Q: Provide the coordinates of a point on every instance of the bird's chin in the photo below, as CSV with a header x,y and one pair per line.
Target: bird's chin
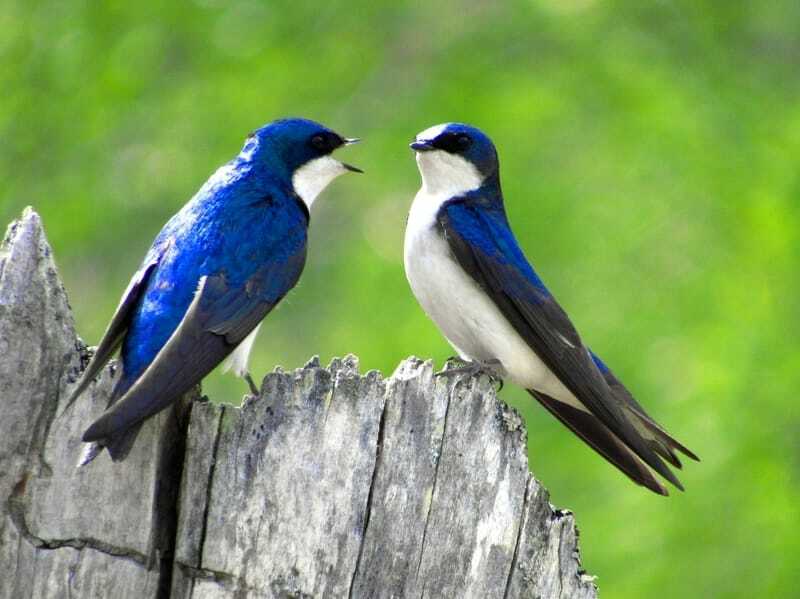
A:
x,y
423,164
428,161
447,173
314,176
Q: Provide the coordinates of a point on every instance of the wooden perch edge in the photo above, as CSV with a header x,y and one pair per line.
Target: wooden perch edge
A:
x,y
330,483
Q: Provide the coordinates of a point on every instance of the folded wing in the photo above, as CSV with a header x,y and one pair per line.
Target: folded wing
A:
x,y
117,328
218,319
482,243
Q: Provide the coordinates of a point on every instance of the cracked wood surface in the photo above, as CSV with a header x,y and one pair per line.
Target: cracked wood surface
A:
x,y
66,530
329,484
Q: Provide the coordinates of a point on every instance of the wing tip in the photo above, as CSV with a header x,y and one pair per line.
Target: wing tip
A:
x,y
666,439
657,488
83,384
664,471
688,453
589,428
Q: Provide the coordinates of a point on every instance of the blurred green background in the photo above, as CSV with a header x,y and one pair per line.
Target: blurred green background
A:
x,y
650,167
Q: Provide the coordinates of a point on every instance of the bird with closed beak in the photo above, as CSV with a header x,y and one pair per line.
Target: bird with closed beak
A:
x,y
468,272
215,270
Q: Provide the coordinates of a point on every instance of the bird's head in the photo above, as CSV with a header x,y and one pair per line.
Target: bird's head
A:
x,y
454,158
301,150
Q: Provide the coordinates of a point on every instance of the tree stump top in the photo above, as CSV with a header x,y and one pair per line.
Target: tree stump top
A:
x,y
330,483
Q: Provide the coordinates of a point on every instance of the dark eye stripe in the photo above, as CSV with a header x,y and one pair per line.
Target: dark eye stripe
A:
x,y
452,142
319,142
325,142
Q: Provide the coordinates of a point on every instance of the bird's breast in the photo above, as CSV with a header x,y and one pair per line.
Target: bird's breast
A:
x,y
465,314
447,294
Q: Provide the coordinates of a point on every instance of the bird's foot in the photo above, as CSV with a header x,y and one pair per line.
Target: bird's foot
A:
x,y
253,389
475,368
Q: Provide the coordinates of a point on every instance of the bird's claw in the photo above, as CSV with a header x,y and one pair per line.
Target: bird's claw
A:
x,y
474,368
253,389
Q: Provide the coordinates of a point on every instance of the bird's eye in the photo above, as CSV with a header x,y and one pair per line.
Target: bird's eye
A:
x,y
319,142
454,143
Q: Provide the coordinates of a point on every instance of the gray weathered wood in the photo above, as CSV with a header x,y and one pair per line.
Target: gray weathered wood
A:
x,y
329,484
286,489
93,530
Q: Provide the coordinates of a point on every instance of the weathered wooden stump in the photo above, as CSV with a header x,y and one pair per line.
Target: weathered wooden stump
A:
x,y
329,484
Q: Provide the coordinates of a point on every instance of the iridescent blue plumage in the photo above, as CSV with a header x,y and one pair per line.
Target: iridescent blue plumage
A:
x,y
213,272
480,219
236,223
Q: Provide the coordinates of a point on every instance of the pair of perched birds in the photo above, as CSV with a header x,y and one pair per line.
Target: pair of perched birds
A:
x,y
235,250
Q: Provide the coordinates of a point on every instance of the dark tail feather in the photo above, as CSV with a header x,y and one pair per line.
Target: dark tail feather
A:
x,y
665,451
667,440
603,441
664,443
118,444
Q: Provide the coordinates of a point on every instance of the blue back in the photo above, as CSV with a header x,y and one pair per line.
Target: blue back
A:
x,y
480,219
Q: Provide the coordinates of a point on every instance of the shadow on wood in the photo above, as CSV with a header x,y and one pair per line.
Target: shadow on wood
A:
x,y
330,483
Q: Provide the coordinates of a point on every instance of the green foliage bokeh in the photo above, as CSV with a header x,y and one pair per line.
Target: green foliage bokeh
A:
x,y
650,166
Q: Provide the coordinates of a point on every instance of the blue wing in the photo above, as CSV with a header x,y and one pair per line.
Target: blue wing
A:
x,y
118,327
220,274
218,319
481,240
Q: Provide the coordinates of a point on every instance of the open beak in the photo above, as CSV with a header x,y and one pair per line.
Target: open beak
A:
x,y
349,141
421,145
350,167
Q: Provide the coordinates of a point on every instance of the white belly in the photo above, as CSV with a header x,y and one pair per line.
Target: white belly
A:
x,y
240,357
467,317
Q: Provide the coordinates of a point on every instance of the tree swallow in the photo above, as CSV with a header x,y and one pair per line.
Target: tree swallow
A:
x,y
213,273
469,274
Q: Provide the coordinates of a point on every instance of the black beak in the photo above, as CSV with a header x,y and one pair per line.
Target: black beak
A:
x,y
420,145
350,167
349,141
